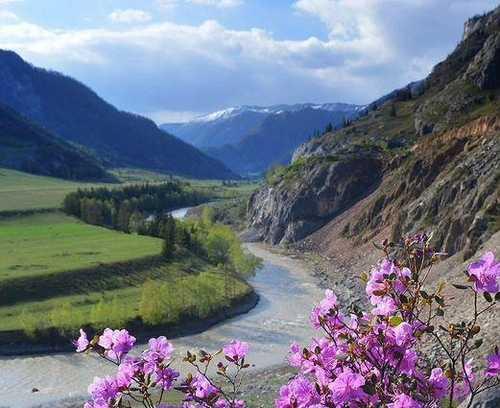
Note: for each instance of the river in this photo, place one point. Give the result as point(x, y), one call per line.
point(287, 293)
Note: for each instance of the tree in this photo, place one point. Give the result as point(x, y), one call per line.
point(150, 307)
point(329, 128)
point(167, 232)
point(218, 244)
point(123, 218)
point(136, 222)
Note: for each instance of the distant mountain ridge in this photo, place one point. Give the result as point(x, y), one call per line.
point(27, 147)
point(231, 125)
point(249, 139)
point(74, 112)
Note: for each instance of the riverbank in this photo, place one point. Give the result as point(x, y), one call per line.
point(18, 346)
point(287, 293)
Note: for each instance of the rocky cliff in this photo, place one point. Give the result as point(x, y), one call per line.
point(423, 157)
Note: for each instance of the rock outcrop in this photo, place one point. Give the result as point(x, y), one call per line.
point(484, 71)
point(291, 209)
point(426, 160)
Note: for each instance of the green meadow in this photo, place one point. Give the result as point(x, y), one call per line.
point(22, 191)
point(42, 244)
point(58, 273)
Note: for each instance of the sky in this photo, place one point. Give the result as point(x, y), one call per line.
point(175, 59)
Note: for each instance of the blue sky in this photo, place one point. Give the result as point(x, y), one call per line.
point(172, 59)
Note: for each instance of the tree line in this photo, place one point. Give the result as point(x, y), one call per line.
point(126, 208)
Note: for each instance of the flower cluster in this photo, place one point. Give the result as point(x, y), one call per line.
point(147, 377)
point(372, 359)
point(359, 358)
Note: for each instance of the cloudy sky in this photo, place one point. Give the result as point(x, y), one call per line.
point(172, 59)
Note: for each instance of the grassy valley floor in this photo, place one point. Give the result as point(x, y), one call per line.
point(22, 191)
point(59, 274)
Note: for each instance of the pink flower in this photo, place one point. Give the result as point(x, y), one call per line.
point(122, 343)
point(385, 306)
point(408, 362)
point(160, 349)
point(404, 401)
point(493, 365)
point(347, 388)
point(236, 350)
point(103, 391)
point(323, 309)
point(203, 388)
point(117, 343)
point(82, 343)
point(439, 383)
point(298, 393)
point(165, 378)
point(295, 358)
point(403, 334)
point(106, 339)
point(485, 273)
point(126, 372)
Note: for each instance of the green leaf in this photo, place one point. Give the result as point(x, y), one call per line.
point(488, 297)
point(395, 321)
point(461, 287)
point(364, 277)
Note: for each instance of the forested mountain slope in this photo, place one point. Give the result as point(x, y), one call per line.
point(74, 112)
point(27, 147)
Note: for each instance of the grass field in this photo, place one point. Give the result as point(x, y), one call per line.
point(22, 191)
point(46, 243)
point(59, 273)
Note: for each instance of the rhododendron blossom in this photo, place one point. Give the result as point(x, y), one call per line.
point(493, 369)
point(236, 350)
point(357, 359)
point(371, 359)
point(486, 273)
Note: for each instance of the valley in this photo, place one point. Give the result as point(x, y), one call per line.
point(357, 243)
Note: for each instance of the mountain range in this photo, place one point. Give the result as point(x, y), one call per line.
point(250, 139)
point(72, 111)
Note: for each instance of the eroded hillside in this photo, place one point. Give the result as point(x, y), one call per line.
point(424, 158)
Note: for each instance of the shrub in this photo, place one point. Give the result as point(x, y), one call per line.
point(362, 358)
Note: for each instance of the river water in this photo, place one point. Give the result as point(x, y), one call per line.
point(287, 293)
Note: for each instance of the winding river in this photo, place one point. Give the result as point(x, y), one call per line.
point(287, 292)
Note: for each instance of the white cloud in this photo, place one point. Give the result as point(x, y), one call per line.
point(130, 16)
point(372, 47)
point(6, 15)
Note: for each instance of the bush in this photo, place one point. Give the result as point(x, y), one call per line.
point(361, 359)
